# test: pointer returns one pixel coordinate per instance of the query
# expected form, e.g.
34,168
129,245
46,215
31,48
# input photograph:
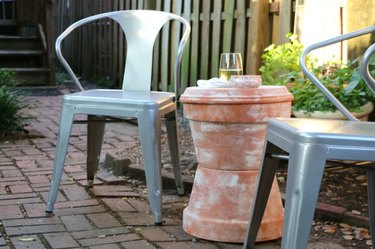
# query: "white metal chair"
310,143
134,100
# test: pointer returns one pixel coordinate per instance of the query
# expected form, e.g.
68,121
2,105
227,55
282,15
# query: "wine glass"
230,64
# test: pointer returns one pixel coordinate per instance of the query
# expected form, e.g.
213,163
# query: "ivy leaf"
354,81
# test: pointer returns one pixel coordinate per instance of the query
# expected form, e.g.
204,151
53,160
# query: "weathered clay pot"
228,126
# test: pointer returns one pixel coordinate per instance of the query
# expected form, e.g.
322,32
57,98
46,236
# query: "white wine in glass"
230,64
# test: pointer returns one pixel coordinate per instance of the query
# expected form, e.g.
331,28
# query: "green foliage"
280,61
10,104
8,78
281,67
104,82
62,76
343,80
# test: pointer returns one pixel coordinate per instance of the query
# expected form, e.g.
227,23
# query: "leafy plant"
104,82
62,76
11,103
343,80
281,67
8,77
280,61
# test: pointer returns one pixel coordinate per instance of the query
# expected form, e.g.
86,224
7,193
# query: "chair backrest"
141,28
365,71
364,67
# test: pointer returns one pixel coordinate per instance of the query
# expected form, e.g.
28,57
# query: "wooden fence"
244,26
7,10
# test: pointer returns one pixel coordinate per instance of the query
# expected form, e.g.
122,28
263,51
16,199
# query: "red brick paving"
106,216
10,211
61,240
118,205
32,242
110,215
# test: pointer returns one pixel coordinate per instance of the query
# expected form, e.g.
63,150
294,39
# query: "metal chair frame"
134,100
310,143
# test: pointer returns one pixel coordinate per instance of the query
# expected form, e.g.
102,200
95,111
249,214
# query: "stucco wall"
360,14
317,20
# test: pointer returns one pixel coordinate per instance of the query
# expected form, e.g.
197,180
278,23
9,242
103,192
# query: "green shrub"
343,80
61,77
11,103
104,82
279,61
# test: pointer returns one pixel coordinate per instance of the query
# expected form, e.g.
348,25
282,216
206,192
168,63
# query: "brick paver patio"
113,214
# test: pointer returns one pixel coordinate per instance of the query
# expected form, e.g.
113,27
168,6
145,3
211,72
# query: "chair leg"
95,133
266,177
305,172
371,203
149,124
172,132
66,121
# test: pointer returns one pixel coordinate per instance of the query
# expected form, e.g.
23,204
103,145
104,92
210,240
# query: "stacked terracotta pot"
228,126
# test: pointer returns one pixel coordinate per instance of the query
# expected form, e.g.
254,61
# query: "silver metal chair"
134,100
310,143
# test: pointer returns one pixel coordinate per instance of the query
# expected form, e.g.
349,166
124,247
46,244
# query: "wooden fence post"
150,5
186,58
50,33
285,14
256,33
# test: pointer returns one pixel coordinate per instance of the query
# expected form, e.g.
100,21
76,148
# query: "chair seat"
121,97
310,143
322,132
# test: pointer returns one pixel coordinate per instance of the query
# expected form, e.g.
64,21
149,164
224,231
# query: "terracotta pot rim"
235,96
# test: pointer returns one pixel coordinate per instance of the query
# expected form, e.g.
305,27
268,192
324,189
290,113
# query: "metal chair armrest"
365,67
62,36
180,53
315,80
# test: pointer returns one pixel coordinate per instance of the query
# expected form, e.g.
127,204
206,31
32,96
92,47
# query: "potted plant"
281,67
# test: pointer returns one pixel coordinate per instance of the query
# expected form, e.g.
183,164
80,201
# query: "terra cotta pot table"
228,127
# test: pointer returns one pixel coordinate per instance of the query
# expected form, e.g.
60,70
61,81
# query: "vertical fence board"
85,37
205,39
99,38
3,14
186,56
121,51
256,35
97,46
134,4
76,44
228,25
127,4
108,39
115,46
165,47
194,42
140,4
216,38
156,59
175,38
240,28
285,20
